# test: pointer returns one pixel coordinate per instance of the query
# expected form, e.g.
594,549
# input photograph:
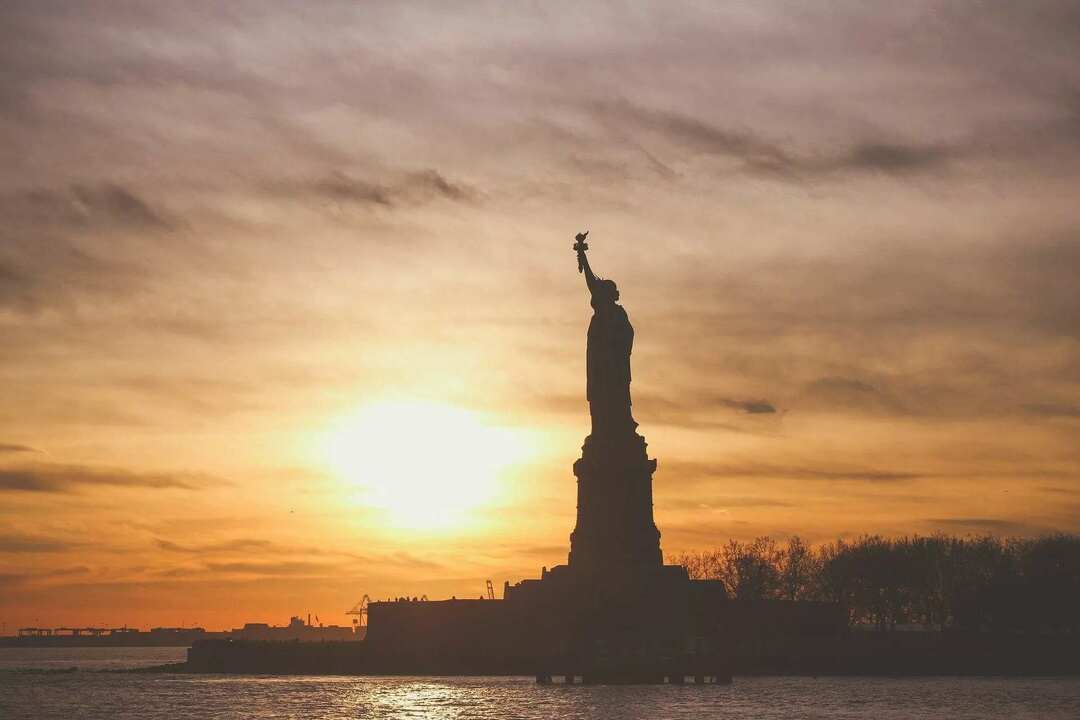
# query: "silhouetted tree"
836,576
937,581
692,562
751,571
701,565
798,570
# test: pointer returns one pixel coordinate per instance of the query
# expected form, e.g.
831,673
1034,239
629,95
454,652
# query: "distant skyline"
246,250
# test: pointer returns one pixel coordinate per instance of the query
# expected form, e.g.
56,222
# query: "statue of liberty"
607,355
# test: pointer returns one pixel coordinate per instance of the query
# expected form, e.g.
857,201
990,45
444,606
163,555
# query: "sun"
422,466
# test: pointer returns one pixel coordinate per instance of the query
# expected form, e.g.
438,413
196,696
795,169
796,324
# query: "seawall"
853,653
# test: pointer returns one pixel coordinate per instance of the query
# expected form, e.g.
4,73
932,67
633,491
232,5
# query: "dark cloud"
1060,490
409,189
757,155
720,503
413,561
677,408
702,410
342,188
538,550
16,287
15,448
505,553
841,393
705,470
750,407
20,579
430,182
286,568
75,478
1036,277
227,546
891,158
114,203
973,522
52,250
240,546
82,206
12,543
49,270
852,334
992,526
1053,410
199,396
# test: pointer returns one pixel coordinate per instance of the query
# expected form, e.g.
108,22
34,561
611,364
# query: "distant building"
297,629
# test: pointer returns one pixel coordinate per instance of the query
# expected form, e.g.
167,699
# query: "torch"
581,246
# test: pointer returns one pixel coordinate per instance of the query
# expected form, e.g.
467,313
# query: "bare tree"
798,570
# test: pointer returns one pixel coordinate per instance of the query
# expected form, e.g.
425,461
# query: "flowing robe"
607,363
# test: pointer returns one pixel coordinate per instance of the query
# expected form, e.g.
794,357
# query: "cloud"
76,478
47,269
852,394
285,568
342,188
240,546
12,543
226,546
750,407
758,156
702,409
1053,410
15,448
102,204
413,561
852,333
989,526
537,550
199,396
721,503
1060,490
60,245
892,158
409,189
13,580
706,470
431,183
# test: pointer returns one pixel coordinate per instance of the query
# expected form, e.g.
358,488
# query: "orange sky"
238,246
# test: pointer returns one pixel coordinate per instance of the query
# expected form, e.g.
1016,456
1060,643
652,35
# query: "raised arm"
590,278
582,261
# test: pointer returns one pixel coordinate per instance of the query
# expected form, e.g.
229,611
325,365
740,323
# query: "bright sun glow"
425,466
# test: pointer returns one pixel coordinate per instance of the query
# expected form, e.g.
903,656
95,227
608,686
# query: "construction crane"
360,610
490,591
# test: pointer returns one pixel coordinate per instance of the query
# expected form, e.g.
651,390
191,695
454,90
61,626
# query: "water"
44,694
87,658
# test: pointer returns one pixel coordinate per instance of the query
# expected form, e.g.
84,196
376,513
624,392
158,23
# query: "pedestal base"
615,527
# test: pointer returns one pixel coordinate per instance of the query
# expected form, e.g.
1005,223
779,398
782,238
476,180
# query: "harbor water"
71,683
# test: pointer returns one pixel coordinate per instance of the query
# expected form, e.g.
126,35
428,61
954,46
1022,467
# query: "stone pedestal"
615,530
615,612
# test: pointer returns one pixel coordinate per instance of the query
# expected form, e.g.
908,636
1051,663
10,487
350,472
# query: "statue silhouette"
615,527
607,354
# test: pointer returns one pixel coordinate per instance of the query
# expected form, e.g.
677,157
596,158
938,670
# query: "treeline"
939,582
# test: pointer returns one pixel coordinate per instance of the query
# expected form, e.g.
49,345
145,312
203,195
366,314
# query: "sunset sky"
289,314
